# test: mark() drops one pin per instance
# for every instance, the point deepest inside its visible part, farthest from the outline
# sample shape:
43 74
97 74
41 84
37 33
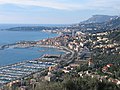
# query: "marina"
19 70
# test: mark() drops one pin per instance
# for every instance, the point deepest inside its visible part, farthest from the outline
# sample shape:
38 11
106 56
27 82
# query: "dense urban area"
91 60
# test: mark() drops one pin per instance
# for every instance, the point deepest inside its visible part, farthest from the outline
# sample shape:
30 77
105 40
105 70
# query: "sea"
14 55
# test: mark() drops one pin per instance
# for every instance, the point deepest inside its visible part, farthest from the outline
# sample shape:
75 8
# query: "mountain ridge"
98 19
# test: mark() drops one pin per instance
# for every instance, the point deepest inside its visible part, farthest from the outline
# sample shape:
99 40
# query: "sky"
54 11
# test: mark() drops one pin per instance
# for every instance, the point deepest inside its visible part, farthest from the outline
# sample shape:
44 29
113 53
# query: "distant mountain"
98 19
99 23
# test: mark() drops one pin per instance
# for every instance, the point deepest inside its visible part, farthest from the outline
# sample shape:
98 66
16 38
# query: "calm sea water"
10 56
7 37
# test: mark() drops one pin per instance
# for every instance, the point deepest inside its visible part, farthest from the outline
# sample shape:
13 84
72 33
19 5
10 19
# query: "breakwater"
22 44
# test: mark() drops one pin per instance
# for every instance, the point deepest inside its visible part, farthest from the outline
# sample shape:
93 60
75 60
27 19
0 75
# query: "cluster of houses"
66 69
102 42
91 73
72 40
76 41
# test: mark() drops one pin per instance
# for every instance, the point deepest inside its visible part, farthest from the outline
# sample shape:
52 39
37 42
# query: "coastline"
42 68
63 49
37 65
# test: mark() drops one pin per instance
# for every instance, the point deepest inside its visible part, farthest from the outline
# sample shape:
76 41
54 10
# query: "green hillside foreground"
77 83
72 82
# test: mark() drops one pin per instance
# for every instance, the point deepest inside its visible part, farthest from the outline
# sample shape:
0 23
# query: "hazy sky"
54 11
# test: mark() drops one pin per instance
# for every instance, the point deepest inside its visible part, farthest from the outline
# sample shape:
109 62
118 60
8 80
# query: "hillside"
98 19
114 35
99 23
113 24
